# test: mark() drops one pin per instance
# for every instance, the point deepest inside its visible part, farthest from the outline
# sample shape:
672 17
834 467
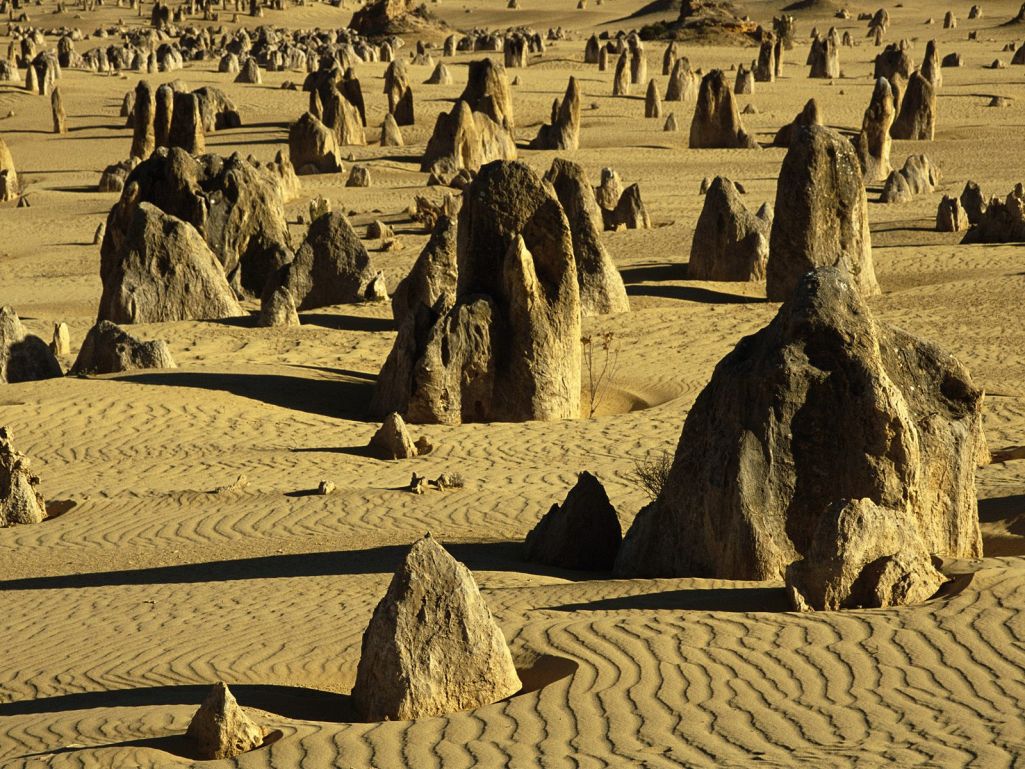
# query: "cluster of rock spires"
24 357
479 129
489 318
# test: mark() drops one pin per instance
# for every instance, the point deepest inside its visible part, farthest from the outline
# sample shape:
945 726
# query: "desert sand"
147 584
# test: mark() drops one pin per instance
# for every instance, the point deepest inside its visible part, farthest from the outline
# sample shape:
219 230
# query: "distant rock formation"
716 122
432 647
563 133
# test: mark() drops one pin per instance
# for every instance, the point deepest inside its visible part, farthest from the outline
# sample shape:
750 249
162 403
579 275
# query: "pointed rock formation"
487 91
621 78
392 440
583 533
863 556
20 501
730 243
917 118
652 101
391 134
755 469
221 729
564 131
9 189
24 357
824 58
601 286
330 267
186 129
313 147
440 76
109 349
973 202
433 274
158 268
464 139
950 217
806 117
716 122
432 647
278 309
917 177
683 83
143 142
874 141
507 346
629 213
399 93
821 215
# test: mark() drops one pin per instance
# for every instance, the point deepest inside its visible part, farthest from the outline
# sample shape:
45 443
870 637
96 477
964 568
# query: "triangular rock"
583 533
432 646
221 729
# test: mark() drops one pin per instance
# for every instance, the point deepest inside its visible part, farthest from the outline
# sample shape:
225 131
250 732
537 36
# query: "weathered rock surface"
821 215
109 349
221 729
20 501
583 533
236 206
432 646
760 459
716 122
156 268
730 243
433 274
507 346
863 556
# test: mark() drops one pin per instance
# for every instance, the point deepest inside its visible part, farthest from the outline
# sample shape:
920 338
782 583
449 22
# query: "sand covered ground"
149 585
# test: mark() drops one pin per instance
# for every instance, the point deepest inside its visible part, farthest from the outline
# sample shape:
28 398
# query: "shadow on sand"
346 397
